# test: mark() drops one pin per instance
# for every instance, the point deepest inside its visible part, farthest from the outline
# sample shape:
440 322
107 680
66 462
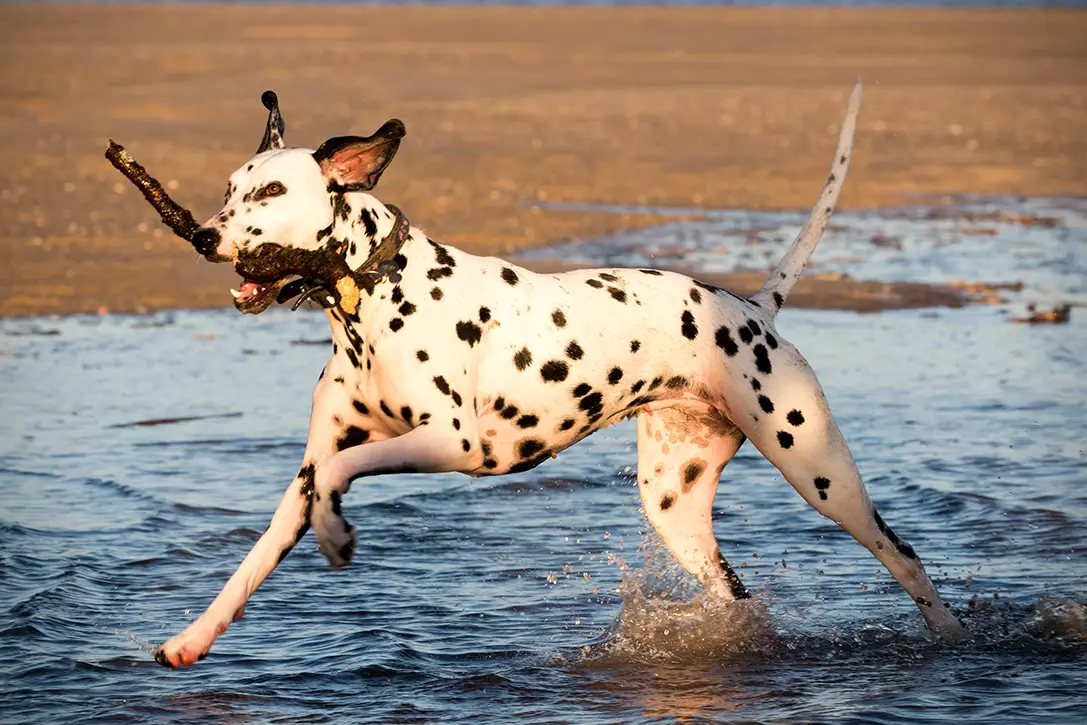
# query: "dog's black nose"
206 240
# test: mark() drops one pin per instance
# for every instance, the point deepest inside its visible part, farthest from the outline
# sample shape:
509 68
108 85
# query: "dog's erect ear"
273 132
355 162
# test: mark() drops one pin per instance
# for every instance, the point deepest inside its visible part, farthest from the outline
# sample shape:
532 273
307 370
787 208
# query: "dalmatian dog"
446 361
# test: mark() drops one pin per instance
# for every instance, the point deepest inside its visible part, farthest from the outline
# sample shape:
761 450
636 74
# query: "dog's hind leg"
682 450
781 408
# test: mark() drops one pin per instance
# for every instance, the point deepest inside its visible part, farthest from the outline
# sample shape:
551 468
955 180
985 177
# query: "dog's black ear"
356 163
273 132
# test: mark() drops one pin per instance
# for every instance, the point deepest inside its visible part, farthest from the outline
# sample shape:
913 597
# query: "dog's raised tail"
771 296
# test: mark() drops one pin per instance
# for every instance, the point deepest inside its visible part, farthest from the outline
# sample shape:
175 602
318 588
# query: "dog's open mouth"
254 297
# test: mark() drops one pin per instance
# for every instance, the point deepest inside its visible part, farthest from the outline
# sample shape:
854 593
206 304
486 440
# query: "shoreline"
507 108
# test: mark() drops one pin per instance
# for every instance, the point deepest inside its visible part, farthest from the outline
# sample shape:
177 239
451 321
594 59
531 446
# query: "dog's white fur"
476 365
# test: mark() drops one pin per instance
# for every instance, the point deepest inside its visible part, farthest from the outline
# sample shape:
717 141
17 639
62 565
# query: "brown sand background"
506 108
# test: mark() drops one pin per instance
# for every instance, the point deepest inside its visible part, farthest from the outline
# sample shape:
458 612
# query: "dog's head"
277 217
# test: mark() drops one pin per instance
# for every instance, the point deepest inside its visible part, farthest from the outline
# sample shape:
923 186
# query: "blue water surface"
540 597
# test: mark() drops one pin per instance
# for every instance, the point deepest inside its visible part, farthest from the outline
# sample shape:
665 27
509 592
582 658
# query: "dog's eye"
274 189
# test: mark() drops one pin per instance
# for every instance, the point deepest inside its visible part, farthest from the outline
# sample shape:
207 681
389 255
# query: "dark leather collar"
378 266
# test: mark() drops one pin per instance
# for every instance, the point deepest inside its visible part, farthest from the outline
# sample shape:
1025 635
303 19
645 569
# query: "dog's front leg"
287 526
426 449
289 523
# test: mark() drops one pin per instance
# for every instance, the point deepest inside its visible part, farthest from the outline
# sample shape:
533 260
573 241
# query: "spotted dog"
445 361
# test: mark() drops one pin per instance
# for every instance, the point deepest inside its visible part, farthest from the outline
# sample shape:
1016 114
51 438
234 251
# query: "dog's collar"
381 264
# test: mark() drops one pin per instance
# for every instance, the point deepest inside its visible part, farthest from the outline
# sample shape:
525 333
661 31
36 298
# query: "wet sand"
507 108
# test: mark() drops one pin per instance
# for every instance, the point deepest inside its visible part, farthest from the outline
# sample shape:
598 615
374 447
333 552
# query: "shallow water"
539 596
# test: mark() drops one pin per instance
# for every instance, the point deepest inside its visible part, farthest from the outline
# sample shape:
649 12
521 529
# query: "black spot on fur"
351 437
527 421
574 351
509 276
582 390
635 345
785 439
725 341
696 296
745 335
762 359
675 382
456 424
754 327
442 255
689 329
590 402
406 309
422 355
523 358
360 407
655 383
903 548
608 277
499 403
756 385
558 318
595 283
567 424
509 412
441 384
766 404
617 294
554 371
778 299
395 324
456 398
465 445
405 413
653 272
484 314
469 332
436 293
636 387
529 447
438 273
771 341
368 222
615 375
795 417
691 471
667 500
385 409
397 296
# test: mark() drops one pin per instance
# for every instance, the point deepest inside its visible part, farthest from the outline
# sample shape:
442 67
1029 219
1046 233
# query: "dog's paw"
335 537
187 648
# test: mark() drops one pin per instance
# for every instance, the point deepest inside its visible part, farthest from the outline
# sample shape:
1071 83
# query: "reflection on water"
539 596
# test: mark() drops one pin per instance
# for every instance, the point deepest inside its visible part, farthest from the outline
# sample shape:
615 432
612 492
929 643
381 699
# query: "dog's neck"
359 223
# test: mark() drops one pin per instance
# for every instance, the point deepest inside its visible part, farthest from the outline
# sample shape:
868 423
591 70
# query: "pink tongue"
250 288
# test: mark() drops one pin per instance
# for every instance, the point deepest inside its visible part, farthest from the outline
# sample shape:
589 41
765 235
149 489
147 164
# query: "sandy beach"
508 110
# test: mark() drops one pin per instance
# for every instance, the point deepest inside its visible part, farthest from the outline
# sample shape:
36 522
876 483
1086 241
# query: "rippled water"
539 596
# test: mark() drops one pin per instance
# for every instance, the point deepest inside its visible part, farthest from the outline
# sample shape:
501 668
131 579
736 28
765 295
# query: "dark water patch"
150 422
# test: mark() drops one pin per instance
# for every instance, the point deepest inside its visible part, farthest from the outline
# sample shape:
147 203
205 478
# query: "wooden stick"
173 215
